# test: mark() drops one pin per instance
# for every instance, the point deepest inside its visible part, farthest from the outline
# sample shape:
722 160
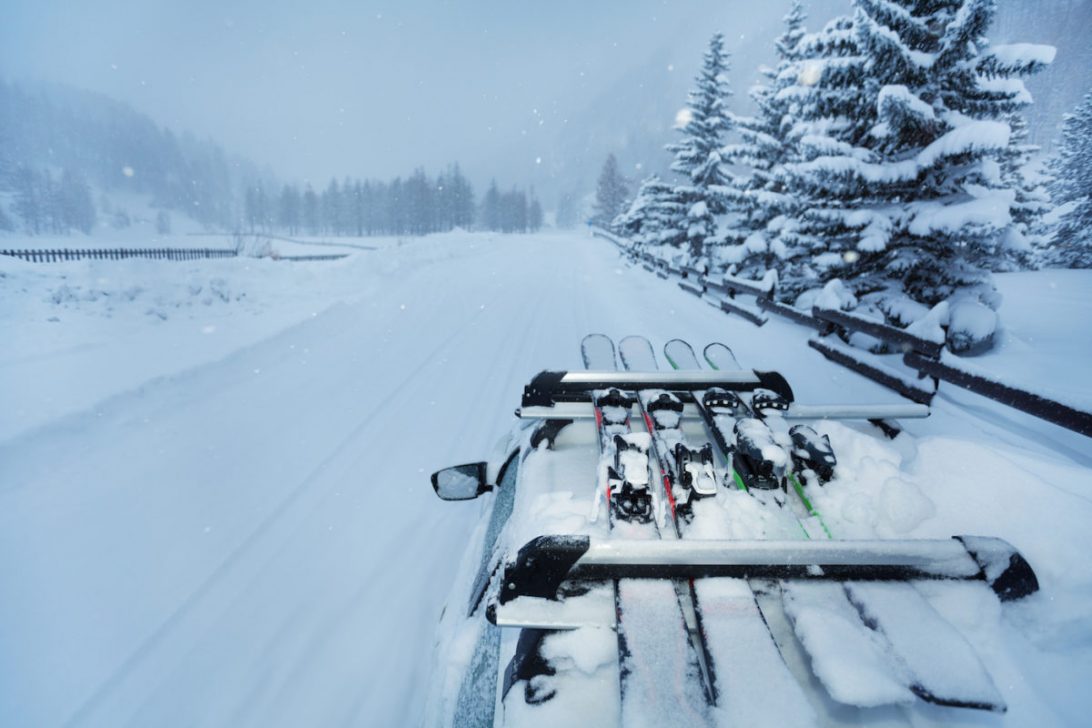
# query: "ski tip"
597 352
680 354
719 356
1006 570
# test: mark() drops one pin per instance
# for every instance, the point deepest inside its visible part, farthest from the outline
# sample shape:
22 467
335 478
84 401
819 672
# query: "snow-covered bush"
971 327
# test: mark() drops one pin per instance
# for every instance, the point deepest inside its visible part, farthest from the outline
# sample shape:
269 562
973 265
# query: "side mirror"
461 482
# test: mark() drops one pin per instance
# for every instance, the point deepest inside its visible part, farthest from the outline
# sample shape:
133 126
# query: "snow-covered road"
253 540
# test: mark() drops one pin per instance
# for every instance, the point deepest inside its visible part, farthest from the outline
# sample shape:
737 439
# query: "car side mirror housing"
461 482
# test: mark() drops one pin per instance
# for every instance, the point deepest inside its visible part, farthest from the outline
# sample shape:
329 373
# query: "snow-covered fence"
1039 405
926 363
883 332
55 255
59 255
873 367
793 314
607 235
321 256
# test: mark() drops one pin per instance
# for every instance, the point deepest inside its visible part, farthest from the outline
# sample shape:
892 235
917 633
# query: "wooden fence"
922 357
53 256
59 255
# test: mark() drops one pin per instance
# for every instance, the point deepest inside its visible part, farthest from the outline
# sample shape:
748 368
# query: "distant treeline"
65 152
416 205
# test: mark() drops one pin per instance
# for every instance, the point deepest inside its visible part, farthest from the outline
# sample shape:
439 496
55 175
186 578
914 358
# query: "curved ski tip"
1005 569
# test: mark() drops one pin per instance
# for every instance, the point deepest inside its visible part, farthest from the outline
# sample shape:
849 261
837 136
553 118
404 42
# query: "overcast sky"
330 87
521 90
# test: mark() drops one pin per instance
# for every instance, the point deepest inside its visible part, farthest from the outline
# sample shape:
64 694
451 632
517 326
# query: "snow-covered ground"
214 504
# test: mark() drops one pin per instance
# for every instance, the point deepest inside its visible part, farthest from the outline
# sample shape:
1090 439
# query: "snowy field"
214 498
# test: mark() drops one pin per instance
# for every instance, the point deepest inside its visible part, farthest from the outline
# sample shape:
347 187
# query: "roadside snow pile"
1044 344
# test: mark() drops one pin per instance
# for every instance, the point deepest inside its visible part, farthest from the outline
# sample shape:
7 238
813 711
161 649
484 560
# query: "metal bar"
661 379
856 411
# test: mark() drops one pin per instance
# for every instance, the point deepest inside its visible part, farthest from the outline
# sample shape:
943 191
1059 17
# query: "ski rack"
549 387
568 395
545 562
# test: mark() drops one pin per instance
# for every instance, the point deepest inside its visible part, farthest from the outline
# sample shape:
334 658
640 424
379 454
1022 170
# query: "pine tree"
610 193
311 211
1021 172
653 217
358 209
462 199
288 209
703 125
490 214
331 208
534 214
1072 190
766 143
898 174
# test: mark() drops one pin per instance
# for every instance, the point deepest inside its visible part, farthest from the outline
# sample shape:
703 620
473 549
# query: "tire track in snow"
88 706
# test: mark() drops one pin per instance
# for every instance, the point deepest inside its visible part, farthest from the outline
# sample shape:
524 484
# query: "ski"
648 606
756 439
879 622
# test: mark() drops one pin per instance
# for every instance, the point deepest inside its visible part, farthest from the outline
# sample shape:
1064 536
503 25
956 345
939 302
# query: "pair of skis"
635 507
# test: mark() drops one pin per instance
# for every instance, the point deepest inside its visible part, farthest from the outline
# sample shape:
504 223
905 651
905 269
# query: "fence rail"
922 357
1042 407
300 258
883 332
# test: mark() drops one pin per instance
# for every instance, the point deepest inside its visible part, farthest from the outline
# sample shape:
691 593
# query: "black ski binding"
665 410
722 402
810 451
629 502
695 469
615 406
766 400
754 442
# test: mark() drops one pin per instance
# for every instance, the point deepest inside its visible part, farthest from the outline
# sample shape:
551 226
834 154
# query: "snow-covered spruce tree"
1025 176
654 216
611 192
1071 189
757 197
703 125
818 95
903 191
